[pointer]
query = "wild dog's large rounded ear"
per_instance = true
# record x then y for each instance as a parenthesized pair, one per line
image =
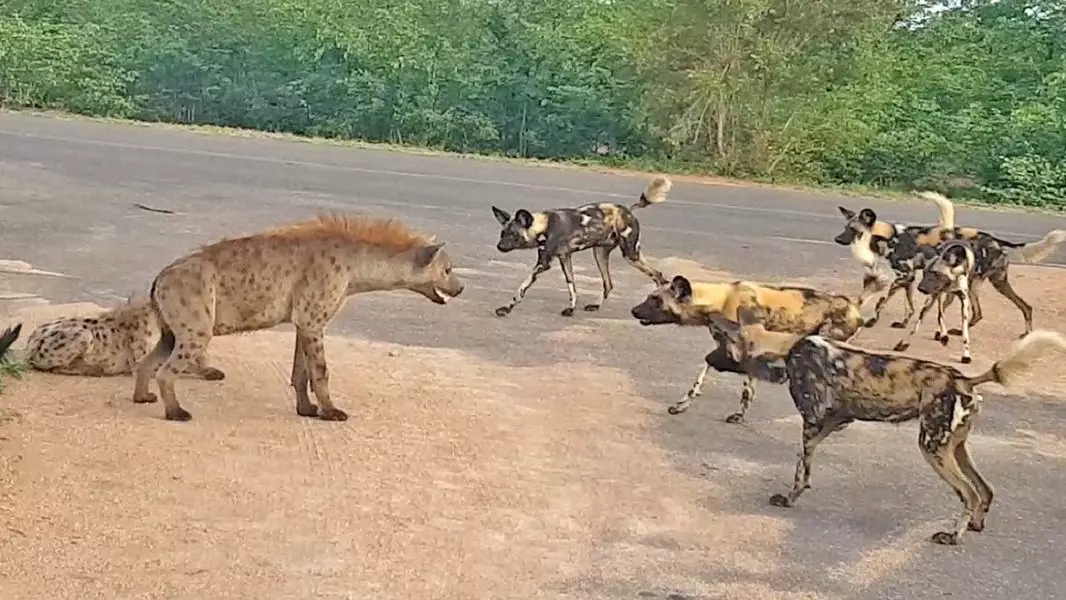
(501, 216)
(867, 217)
(848, 214)
(524, 218)
(681, 288)
(425, 255)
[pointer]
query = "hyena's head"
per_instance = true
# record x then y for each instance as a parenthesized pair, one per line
(855, 225)
(670, 303)
(523, 231)
(433, 274)
(947, 266)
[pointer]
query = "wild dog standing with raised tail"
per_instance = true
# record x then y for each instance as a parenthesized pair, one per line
(956, 270)
(908, 248)
(796, 309)
(300, 274)
(108, 344)
(558, 233)
(834, 384)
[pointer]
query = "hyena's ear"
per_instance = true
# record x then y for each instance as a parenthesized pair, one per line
(501, 216)
(867, 217)
(681, 289)
(524, 218)
(425, 255)
(848, 214)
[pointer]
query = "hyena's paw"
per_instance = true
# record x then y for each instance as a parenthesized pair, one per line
(503, 311)
(147, 398)
(333, 414)
(592, 307)
(307, 410)
(213, 374)
(178, 414)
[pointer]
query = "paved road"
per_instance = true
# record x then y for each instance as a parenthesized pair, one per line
(67, 194)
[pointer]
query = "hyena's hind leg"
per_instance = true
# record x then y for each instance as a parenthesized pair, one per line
(175, 352)
(300, 381)
(139, 348)
(629, 242)
(204, 370)
(602, 255)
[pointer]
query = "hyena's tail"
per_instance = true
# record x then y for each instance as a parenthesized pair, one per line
(947, 208)
(8, 338)
(655, 193)
(1024, 351)
(1040, 249)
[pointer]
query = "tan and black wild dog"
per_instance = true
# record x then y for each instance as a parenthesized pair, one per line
(558, 233)
(957, 269)
(908, 248)
(795, 309)
(834, 384)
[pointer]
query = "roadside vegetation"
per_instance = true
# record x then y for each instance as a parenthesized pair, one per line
(970, 100)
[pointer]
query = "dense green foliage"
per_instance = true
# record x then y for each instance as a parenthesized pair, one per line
(875, 92)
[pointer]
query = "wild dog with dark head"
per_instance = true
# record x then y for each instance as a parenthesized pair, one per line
(557, 234)
(834, 384)
(908, 248)
(795, 309)
(300, 274)
(108, 344)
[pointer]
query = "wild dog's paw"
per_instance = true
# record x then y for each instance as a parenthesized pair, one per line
(900, 347)
(503, 311)
(898, 325)
(567, 312)
(945, 538)
(592, 307)
(780, 500)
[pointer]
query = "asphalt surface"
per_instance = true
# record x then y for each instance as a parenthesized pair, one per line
(68, 190)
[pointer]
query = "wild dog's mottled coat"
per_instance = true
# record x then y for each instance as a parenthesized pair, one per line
(833, 384)
(300, 274)
(557, 234)
(908, 248)
(111, 343)
(784, 308)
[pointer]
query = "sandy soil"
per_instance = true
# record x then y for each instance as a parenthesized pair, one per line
(455, 478)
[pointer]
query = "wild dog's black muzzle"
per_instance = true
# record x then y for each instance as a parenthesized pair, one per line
(845, 238)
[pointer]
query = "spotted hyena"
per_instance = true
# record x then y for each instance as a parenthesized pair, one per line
(300, 274)
(111, 343)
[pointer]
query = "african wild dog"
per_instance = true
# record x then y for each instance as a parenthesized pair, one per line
(559, 233)
(834, 384)
(908, 248)
(300, 274)
(956, 270)
(111, 343)
(795, 309)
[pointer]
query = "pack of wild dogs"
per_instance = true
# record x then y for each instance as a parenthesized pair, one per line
(303, 273)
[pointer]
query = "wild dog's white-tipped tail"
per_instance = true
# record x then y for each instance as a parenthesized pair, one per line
(947, 208)
(1024, 351)
(1042, 248)
(656, 192)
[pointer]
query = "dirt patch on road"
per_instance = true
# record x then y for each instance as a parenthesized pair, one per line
(455, 478)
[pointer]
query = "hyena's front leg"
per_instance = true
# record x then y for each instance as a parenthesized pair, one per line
(747, 396)
(314, 349)
(566, 262)
(543, 264)
(906, 341)
(602, 255)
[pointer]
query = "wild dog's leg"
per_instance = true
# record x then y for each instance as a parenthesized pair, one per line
(984, 490)
(602, 254)
(965, 297)
(944, 463)
(897, 285)
(543, 264)
(941, 334)
(697, 389)
(566, 262)
(940, 431)
(629, 240)
(148, 366)
(814, 432)
(300, 379)
(747, 396)
(906, 341)
(909, 298)
(999, 281)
